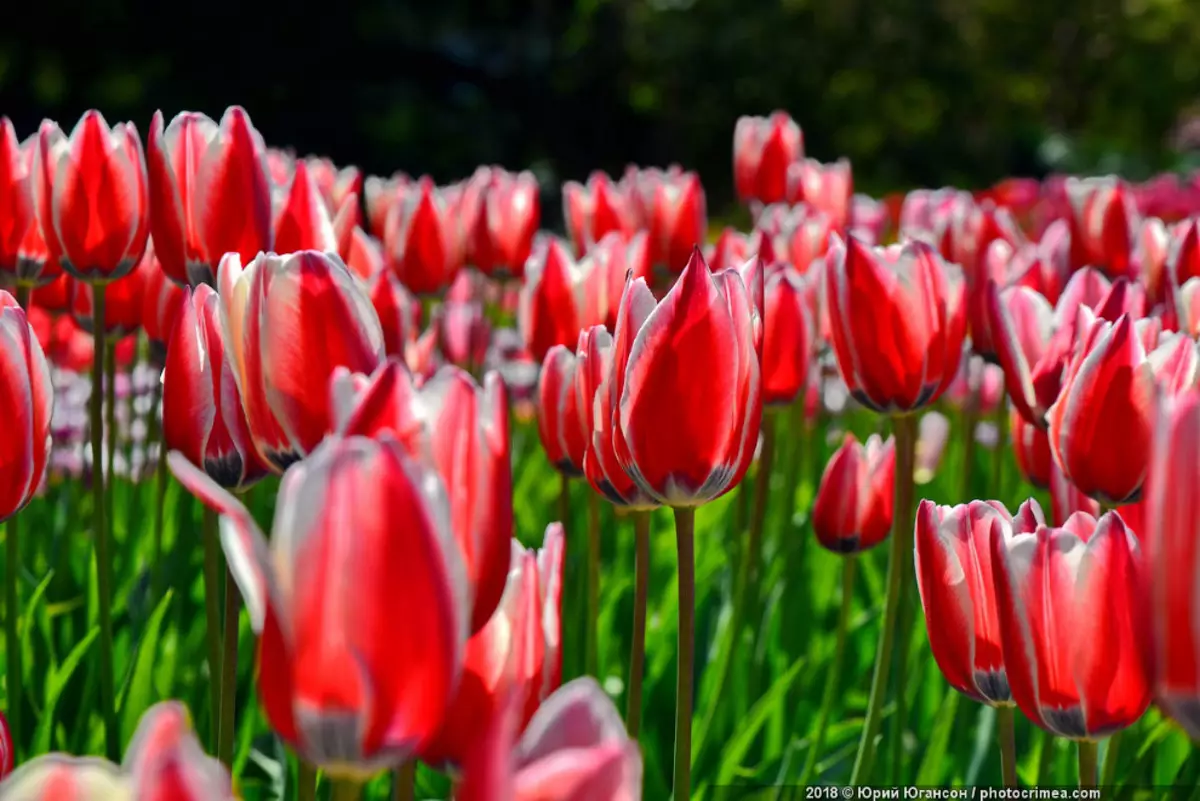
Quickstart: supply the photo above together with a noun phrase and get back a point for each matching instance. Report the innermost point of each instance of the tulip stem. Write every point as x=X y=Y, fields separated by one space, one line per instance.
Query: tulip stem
x=345 y=790
x=404 y=781
x=1008 y=745
x=103 y=545
x=592 y=655
x=23 y=294
x=641 y=590
x=1087 y=763
x=160 y=491
x=849 y=564
x=685 y=522
x=306 y=781
x=212 y=613
x=229 y=666
x=902 y=529
x=12 y=636
x=110 y=433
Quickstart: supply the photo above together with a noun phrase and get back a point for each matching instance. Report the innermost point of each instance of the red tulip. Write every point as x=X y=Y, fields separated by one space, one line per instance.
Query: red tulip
x=466 y=430
x=209 y=193
x=798 y=234
x=1031 y=447
x=594 y=210
x=337 y=185
x=124 y=302
x=161 y=298
x=16 y=200
x=560 y=424
x=288 y=322
x=1101 y=423
x=508 y=218
x=977 y=382
x=380 y=194
x=201 y=406
x=958 y=593
x=55 y=296
x=605 y=266
x=898 y=319
x=6 y=747
x=763 y=147
x=852 y=510
x=55 y=777
x=91 y=197
x=1104 y=224
x=1045 y=266
x=463 y=330
x=420 y=240
x=352 y=674
x=399 y=312
x=574 y=748
x=164 y=761
x=687 y=395
x=789 y=339
x=26 y=402
x=554 y=304
x=869 y=219
x=517 y=651
x=1073 y=624
x=304 y=222
x=1173 y=549
x=828 y=188
x=680 y=220
x=364 y=255
x=925 y=213
x=1150 y=253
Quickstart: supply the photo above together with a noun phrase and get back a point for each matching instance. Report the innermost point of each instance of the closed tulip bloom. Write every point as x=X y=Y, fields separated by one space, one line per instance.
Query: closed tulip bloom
x=828 y=188
x=288 y=322
x=161 y=299
x=1173 y=549
x=852 y=510
x=1104 y=223
x=954 y=576
x=463 y=330
x=1031 y=448
x=605 y=266
x=517 y=651
x=898 y=320
x=164 y=761
x=554 y=306
x=559 y=414
x=26 y=404
x=1100 y=425
x=509 y=215
x=1151 y=251
x=399 y=312
x=209 y=193
x=201 y=406
x=16 y=199
x=596 y=389
x=352 y=674
x=1073 y=624
x=304 y=222
x=55 y=777
x=593 y=210
x=799 y=233
x=464 y=427
x=575 y=748
x=680 y=220
x=688 y=383
x=789 y=339
x=124 y=301
x=420 y=241
x=92 y=197
x=1045 y=265
x=763 y=147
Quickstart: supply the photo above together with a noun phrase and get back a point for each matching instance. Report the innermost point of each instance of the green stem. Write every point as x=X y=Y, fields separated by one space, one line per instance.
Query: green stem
x=905 y=623
x=24 y=293
x=1087 y=763
x=345 y=790
x=110 y=433
x=1110 y=760
x=212 y=614
x=849 y=564
x=564 y=501
x=902 y=529
x=1008 y=745
x=641 y=591
x=160 y=492
x=404 y=781
x=306 y=781
x=229 y=666
x=103 y=544
x=12 y=635
x=592 y=655
x=685 y=520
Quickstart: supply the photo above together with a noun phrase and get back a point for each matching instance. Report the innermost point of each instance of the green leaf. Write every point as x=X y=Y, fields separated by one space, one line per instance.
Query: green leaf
x=139 y=693
x=55 y=685
x=736 y=749
x=932 y=771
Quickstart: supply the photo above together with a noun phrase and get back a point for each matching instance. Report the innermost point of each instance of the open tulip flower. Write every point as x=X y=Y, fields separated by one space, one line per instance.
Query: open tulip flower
x=353 y=675
x=1074 y=625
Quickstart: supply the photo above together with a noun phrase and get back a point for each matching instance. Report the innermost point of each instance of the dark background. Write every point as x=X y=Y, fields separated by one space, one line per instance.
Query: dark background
x=915 y=92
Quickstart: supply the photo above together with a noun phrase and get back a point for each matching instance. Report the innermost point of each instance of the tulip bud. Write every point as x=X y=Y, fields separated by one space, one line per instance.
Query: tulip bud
x=789 y=340
x=680 y=220
x=419 y=240
x=763 y=147
x=1104 y=224
x=16 y=201
x=593 y=211
x=161 y=298
x=560 y=424
x=26 y=405
x=554 y=302
x=852 y=510
x=304 y=221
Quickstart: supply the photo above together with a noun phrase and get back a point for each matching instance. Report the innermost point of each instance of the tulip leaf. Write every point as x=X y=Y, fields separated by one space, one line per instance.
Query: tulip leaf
x=56 y=682
x=139 y=692
x=35 y=608
x=736 y=748
x=932 y=770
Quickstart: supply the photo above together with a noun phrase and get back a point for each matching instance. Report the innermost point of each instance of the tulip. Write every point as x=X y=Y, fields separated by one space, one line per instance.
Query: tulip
x=304 y=221
x=605 y=266
x=465 y=428
x=1031 y=447
x=1045 y=266
x=593 y=210
x=55 y=777
x=1104 y=223
x=16 y=202
x=789 y=338
x=1033 y=344
x=828 y=188
x=463 y=330
x=164 y=761
x=679 y=221
x=799 y=233
x=288 y=322
x=510 y=210
x=958 y=594
x=1100 y=425
x=1150 y=254
x=869 y=218
x=763 y=147
x=419 y=239
x=730 y=249
x=554 y=305
x=209 y=193
x=399 y=312
x=370 y=691
x=1171 y=544
x=1074 y=629
x=852 y=510
x=124 y=305
x=336 y=185
x=517 y=651
x=7 y=749
x=379 y=195
x=559 y=412
x=364 y=255
x=574 y=748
